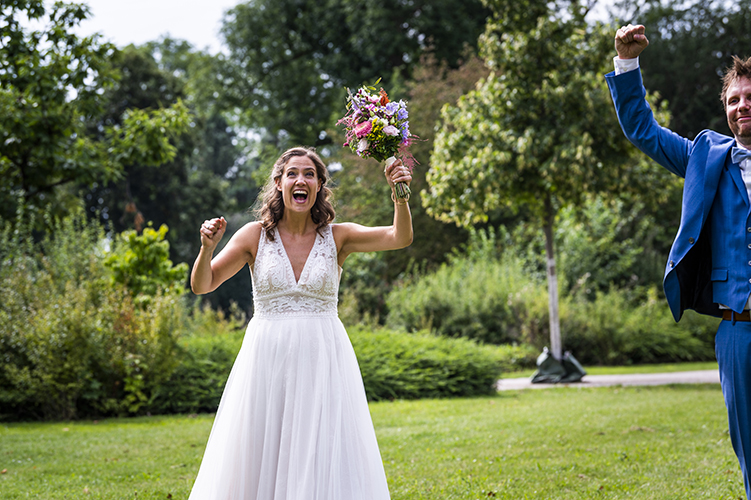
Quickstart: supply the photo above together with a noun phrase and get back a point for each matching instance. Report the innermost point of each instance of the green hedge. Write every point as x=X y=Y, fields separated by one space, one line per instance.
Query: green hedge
x=205 y=358
x=394 y=365
x=398 y=365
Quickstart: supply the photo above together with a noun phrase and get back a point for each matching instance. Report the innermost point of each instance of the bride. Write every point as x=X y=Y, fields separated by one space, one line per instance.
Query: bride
x=293 y=422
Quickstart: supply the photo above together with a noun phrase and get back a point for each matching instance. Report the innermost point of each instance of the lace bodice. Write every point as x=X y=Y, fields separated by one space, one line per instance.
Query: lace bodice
x=275 y=291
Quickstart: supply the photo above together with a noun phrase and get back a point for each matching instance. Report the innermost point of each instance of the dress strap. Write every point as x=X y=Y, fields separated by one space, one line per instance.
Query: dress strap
x=328 y=237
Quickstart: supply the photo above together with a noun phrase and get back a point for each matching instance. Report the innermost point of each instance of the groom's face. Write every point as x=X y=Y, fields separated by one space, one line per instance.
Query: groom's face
x=738 y=109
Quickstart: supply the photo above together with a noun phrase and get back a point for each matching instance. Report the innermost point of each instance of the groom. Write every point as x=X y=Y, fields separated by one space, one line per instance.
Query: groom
x=709 y=266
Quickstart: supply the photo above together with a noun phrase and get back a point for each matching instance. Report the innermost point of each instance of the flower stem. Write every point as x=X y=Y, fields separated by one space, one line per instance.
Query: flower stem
x=402 y=190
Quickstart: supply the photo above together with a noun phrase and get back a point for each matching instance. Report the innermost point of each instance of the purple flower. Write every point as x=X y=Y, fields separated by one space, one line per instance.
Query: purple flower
x=392 y=107
x=405 y=132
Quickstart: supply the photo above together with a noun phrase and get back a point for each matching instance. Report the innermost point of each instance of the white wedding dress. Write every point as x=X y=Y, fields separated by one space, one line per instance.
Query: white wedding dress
x=293 y=422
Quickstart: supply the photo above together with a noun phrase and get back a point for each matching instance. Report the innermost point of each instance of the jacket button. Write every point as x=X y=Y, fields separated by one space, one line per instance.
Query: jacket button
x=748 y=229
x=672 y=264
x=691 y=240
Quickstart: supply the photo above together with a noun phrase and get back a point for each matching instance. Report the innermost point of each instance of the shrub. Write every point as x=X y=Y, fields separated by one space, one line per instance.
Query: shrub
x=206 y=355
x=612 y=331
x=393 y=365
x=142 y=264
x=486 y=296
x=481 y=296
x=489 y=300
x=408 y=366
x=73 y=343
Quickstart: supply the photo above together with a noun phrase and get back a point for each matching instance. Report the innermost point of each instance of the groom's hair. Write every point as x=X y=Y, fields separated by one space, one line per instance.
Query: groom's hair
x=740 y=68
x=271 y=208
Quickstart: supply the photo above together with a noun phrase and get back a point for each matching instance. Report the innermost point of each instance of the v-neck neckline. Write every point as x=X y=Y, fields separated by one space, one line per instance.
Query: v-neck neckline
x=289 y=262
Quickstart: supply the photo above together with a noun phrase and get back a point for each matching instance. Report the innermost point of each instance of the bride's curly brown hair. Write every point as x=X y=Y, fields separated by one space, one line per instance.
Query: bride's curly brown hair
x=271 y=208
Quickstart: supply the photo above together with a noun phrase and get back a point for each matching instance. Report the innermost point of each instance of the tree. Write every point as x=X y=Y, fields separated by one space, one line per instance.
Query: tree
x=539 y=132
x=51 y=83
x=181 y=192
x=289 y=59
x=363 y=194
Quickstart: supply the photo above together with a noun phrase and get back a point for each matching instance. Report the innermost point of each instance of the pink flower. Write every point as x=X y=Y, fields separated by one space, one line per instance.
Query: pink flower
x=390 y=130
x=363 y=129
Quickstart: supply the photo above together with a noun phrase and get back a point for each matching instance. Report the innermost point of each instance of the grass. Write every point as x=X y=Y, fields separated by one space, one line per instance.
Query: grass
x=666 y=442
x=617 y=370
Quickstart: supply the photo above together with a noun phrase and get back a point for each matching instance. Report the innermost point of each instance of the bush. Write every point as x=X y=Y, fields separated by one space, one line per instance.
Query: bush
x=482 y=296
x=393 y=366
x=612 y=331
x=485 y=296
x=74 y=343
x=141 y=263
x=408 y=366
x=206 y=356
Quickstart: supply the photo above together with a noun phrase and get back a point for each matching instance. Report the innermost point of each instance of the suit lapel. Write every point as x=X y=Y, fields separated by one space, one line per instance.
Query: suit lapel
x=735 y=174
x=714 y=163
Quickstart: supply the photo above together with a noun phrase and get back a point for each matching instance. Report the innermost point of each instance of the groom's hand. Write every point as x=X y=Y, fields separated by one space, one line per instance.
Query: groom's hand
x=630 y=41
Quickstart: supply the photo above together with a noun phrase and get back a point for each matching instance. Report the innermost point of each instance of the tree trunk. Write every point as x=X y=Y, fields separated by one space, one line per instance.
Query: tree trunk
x=555 y=323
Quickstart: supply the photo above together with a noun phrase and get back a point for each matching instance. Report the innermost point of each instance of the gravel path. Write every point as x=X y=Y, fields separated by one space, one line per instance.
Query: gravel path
x=693 y=377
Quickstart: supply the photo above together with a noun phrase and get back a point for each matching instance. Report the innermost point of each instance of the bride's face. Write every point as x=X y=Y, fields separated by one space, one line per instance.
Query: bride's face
x=299 y=184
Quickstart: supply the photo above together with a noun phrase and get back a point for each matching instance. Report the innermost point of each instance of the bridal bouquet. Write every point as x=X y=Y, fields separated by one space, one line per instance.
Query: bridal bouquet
x=378 y=128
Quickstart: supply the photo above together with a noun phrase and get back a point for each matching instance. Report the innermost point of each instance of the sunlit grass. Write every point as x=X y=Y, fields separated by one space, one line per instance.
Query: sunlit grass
x=565 y=443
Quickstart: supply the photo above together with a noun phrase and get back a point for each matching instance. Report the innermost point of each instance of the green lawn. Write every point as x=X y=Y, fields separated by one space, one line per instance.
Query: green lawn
x=564 y=443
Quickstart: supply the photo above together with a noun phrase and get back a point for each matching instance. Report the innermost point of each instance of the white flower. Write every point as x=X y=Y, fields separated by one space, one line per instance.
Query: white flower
x=390 y=130
x=362 y=145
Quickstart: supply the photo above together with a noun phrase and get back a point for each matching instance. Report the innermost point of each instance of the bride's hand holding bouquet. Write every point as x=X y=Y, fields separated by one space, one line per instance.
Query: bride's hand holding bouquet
x=397 y=174
x=378 y=128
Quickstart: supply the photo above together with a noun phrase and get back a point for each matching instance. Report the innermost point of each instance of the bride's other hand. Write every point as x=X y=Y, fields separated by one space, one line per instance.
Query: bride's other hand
x=397 y=172
x=212 y=231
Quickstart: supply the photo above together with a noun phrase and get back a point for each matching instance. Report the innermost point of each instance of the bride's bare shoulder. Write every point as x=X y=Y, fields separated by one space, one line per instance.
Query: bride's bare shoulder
x=247 y=237
x=250 y=229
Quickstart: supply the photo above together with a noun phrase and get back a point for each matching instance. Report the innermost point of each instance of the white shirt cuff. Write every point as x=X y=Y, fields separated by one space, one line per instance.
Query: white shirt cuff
x=625 y=65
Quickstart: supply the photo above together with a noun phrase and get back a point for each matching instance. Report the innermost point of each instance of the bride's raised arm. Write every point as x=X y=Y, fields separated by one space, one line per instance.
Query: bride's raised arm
x=351 y=237
x=209 y=272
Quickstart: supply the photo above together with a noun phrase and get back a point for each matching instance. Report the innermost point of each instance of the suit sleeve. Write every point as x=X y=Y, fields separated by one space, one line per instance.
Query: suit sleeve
x=664 y=146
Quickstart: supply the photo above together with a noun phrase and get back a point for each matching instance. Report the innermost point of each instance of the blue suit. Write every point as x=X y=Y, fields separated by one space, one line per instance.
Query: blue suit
x=710 y=260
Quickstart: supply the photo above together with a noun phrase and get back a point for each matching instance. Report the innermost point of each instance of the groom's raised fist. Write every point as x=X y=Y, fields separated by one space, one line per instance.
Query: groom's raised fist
x=630 y=41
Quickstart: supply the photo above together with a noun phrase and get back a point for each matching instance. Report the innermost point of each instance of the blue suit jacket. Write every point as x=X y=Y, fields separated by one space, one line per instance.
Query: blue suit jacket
x=706 y=262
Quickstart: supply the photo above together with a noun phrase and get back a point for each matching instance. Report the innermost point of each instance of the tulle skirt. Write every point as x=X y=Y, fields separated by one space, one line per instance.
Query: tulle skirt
x=293 y=422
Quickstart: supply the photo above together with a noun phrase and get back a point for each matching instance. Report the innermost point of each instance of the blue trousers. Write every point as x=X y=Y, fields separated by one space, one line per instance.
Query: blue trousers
x=733 y=350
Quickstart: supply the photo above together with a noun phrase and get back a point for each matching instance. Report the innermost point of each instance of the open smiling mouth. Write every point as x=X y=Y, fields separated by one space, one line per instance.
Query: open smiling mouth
x=299 y=195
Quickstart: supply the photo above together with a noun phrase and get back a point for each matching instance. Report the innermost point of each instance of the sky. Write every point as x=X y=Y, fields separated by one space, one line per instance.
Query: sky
x=139 y=21
x=198 y=21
